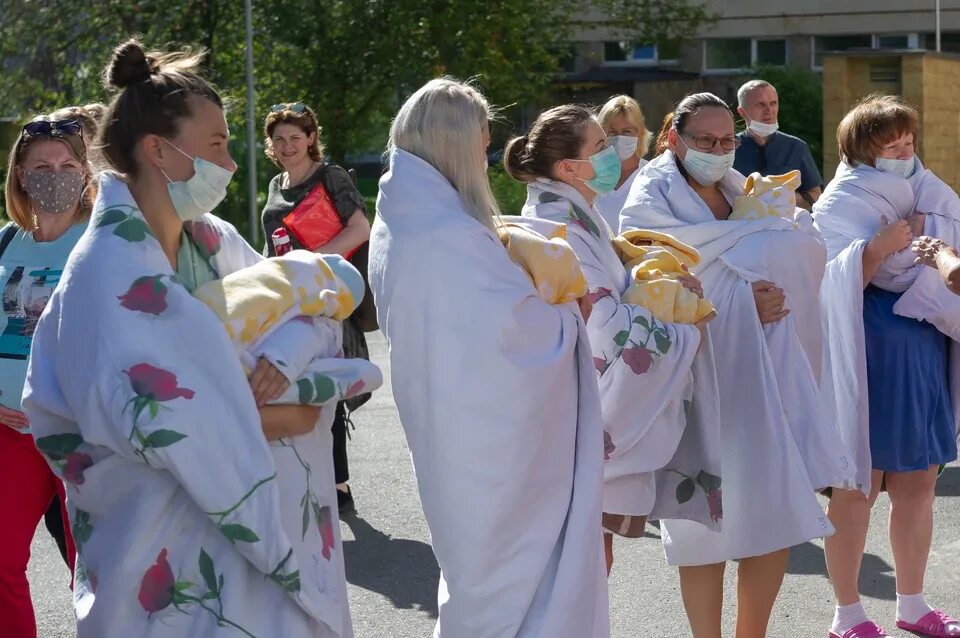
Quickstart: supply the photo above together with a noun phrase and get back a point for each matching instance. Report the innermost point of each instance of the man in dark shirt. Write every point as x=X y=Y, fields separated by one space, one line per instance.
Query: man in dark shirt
x=766 y=150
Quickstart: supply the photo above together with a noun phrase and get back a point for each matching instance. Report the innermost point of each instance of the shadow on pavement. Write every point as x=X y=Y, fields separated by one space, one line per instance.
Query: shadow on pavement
x=876 y=575
x=403 y=570
x=949 y=482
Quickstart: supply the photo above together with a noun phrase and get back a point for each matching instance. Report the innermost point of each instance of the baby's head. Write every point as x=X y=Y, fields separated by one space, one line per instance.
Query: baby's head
x=350 y=276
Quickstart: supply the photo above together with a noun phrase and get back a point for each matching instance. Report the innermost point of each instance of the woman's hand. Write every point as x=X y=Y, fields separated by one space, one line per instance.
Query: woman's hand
x=892 y=238
x=14 y=418
x=702 y=325
x=691 y=283
x=279 y=421
x=770 y=301
x=586 y=307
x=267 y=382
x=928 y=249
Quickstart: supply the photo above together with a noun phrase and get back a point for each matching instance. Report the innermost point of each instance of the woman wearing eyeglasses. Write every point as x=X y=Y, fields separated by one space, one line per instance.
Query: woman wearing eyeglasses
x=293 y=144
x=777 y=447
x=48 y=196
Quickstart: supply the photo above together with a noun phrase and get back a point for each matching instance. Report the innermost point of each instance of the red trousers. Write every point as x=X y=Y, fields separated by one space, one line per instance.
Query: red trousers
x=27 y=486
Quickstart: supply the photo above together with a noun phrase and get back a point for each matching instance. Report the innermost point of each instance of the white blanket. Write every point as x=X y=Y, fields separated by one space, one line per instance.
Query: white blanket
x=645 y=378
x=187 y=522
x=496 y=394
x=777 y=446
x=849 y=213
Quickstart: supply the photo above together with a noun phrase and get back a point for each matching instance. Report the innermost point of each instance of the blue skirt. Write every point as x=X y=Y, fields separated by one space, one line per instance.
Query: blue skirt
x=911 y=417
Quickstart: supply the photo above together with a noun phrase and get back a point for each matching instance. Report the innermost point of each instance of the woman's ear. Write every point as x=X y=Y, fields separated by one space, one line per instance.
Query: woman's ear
x=673 y=141
x=152 y=149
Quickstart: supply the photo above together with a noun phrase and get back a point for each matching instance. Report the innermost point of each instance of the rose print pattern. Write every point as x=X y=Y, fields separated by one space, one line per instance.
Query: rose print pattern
x=325 y=525
x=127 y=225
x=234 y=531
x=152 y=387
x=709 y=483
x=159 y=589
x=639 y=347
x=147 y=295
x=205 y=236
x=62 y=451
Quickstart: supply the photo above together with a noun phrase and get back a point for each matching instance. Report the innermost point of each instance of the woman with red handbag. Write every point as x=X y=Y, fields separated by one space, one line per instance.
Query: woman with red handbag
x=318 y=207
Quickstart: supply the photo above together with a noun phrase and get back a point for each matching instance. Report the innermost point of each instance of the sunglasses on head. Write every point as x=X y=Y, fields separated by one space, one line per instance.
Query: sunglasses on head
x=296 y=107
x=56 y=128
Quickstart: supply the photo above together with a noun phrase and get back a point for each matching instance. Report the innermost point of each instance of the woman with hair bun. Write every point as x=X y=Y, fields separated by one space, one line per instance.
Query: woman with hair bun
x=186 y=520
x=644 y=366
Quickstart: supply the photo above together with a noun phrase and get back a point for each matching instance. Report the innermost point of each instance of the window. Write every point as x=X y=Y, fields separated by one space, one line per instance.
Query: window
x=626 y=53
x=770 y=52
x=824 y=44
x=731 y=54
x=949 y=41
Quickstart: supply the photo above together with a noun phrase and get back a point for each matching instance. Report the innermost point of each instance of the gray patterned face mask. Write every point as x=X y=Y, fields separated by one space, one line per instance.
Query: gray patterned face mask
x=54 y=192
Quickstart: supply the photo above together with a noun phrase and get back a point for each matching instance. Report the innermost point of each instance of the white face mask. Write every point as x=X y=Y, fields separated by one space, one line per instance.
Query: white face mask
x=626 y=145
x=201 y=193
x=762 y=128
x=903 y=168
x=707 y=168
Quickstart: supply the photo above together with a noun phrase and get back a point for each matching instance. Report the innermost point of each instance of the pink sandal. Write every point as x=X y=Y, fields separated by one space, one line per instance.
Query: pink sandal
x=935 y=624
x=867 y=629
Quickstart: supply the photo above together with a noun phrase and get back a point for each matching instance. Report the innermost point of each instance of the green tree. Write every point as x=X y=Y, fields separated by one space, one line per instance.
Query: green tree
x=352 y=60
x=801 y=104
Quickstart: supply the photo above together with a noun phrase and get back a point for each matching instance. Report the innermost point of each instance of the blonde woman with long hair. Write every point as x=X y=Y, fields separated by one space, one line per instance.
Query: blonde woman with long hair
x=494 y=387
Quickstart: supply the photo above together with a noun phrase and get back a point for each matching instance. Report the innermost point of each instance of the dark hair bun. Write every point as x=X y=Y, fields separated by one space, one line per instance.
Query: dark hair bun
x=129 y=65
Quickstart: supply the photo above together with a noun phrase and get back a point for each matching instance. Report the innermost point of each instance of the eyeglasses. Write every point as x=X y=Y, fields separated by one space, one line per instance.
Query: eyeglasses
x=709 y=142
x=296 y=107
x=56 y=128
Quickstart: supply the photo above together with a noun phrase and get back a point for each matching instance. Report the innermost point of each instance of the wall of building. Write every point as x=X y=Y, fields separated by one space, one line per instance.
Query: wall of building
x=928 y=81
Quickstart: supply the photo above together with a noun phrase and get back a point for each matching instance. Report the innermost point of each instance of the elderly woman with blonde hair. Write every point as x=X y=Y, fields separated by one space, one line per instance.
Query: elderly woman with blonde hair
x=623 y=122
x=494 y=386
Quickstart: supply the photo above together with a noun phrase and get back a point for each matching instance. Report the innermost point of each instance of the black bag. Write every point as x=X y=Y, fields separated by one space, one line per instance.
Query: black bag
x=366 y=313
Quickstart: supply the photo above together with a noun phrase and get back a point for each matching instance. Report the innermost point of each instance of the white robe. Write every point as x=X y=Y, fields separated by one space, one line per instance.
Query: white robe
x=848 y=214
x=497 y=398
x=645 y=378
x=187 y=522
x=611 y=204
x=777 y=444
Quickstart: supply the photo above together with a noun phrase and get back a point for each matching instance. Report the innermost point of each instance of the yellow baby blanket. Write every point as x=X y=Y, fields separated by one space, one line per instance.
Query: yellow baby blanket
x=253 y=301
x=549 y=261
x=656 y=262
x=767 y=196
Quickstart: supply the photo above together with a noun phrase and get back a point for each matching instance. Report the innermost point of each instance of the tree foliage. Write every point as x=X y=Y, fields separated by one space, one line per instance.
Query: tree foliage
x=352 y=60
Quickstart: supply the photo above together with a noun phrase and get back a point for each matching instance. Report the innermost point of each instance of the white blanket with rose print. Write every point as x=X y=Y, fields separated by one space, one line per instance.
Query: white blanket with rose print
x=661 y=447
x=187 y=522
x=777 y=446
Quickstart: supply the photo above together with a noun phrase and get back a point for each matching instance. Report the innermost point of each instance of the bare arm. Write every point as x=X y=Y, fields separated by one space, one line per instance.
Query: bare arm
x=279 y=421
x=891 y=238
x=353 y=234
x=934 y=253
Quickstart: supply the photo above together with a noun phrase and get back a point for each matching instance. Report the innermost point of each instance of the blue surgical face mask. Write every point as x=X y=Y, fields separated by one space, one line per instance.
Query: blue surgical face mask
x=606 y=166
x=201 y=193
x=902 y=167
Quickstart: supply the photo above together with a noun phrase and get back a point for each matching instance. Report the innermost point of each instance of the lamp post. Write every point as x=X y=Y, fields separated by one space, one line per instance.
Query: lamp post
x=251 y=129
x=937 y=10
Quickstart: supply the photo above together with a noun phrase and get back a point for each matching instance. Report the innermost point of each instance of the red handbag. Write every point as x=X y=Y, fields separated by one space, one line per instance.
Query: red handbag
x=315 y=220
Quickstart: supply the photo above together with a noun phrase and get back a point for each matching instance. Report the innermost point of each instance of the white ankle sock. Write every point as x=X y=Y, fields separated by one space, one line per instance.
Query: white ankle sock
x=912 y=607
x=847 y=617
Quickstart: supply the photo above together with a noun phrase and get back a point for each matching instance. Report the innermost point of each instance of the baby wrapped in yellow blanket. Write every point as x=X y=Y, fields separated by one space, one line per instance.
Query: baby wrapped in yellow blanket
x=767 y=196
x=287 y=309
x=656 y=263
x=547 y=258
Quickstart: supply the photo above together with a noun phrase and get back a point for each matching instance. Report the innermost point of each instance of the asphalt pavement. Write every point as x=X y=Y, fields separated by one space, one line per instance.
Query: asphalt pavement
x=393 y=576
